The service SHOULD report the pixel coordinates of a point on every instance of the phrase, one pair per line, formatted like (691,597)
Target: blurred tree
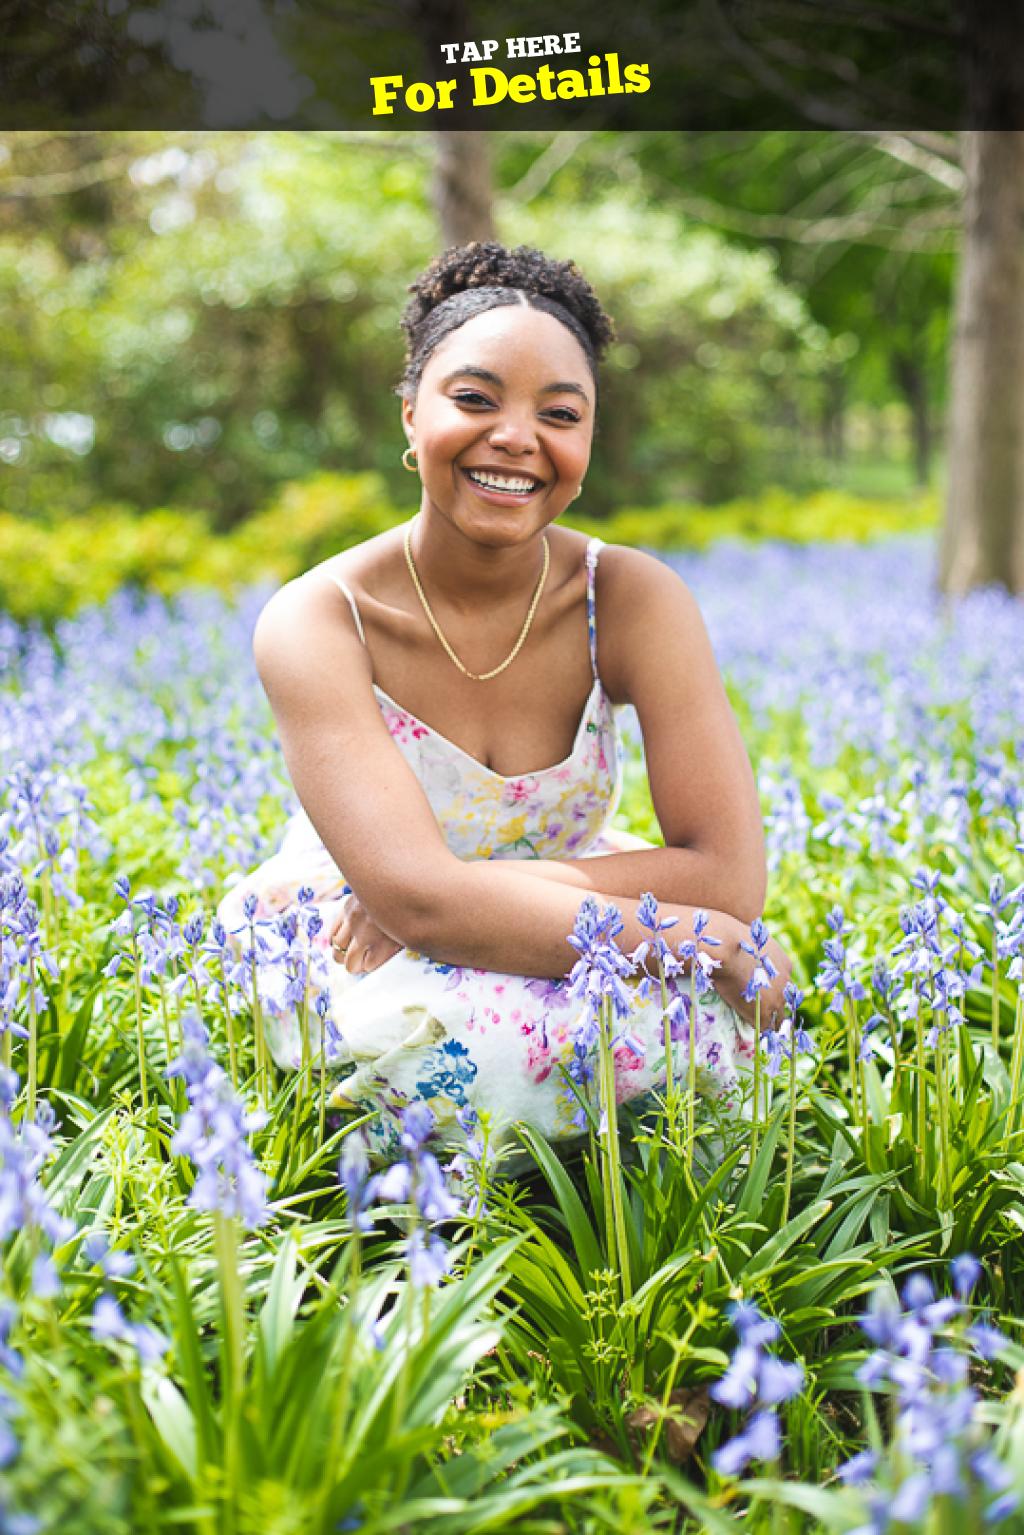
(462,187)
(983,535)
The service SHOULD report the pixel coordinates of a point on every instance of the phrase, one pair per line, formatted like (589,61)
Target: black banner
(327,64)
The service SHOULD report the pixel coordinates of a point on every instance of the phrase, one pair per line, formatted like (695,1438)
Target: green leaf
(587,1247)
(173,1420)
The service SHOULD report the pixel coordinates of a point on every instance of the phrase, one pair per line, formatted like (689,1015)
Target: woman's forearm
(493,916)
(683,876)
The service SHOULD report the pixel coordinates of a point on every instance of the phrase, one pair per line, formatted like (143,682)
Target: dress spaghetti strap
(339,583)
(594,547)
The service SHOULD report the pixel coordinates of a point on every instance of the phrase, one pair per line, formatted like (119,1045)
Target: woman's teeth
(512,485)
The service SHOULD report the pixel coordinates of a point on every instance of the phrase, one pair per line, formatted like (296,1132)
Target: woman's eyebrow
(494,378)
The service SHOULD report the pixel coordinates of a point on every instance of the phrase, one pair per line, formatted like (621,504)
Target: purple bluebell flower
(858,1469)
(417,1180)
(694,952)
(920,1359)
(986,1339)
(214,1134)
(761,1439)
(432,1196)
(418,1124)
(24,1203)
(598,975)
(114,1263)
(10,1360)
(654,947)
(429,1258)
(965,1271)
(353,1172)
(764,971)
(754,1378)
(110,1325)
(834,974)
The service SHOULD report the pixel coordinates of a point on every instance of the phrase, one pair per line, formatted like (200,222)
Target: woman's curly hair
(466,280)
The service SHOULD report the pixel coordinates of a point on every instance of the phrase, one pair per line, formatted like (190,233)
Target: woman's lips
(502,497)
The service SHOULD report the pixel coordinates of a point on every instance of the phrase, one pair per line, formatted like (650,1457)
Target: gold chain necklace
(517,647)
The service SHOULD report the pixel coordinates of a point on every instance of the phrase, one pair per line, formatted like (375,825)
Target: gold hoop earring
(405,459)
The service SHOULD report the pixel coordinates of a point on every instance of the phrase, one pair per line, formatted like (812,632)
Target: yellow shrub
(47,571)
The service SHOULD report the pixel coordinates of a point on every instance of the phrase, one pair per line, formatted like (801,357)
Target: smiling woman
(455,749)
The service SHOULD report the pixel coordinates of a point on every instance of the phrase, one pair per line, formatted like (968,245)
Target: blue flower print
(449,1072)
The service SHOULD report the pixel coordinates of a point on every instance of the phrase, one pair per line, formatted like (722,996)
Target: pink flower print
(538,1058)
(626,1065)
(538,1064)
(519,790)
(402,725)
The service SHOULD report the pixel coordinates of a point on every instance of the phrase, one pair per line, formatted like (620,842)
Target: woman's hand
(357,942)
(738,967)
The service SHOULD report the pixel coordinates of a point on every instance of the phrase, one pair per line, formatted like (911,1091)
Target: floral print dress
(461,1038)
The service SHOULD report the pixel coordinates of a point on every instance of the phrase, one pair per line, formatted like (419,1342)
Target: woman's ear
(407,426)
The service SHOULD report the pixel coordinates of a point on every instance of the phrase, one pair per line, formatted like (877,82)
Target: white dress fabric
(456,1037)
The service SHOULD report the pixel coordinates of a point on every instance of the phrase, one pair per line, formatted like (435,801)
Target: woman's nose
(516,434)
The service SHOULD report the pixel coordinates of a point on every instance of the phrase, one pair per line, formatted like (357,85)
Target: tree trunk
(912,382)
(462,188)
(983,536)
(833,418)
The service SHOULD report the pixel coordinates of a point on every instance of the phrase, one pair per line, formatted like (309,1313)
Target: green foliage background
(196,320)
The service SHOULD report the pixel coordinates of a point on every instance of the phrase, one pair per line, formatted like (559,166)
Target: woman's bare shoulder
(642,603)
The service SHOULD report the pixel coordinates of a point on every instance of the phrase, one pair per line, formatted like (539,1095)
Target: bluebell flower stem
(942,1088)
(305,1074)
(995,989)
(922,1100)
(613,1164)
(667,1027)
(33,1038)
(259,1036)
(791,1128)
(233,1349)
(5,1041)
(131,1394)
(851,1055)
(691,1073)
(755,1128)
(1015,1064)
(139,1032)
(229,1024)
(49,920)
(165,1021)
(323,1081)
(479,1210)
(679,1348)
(339,1414)
(402,1384)
(897,1063)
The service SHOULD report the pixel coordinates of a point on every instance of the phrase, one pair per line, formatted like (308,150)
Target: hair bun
(487,264)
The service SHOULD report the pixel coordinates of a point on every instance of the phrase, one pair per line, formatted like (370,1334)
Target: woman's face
(502,424)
